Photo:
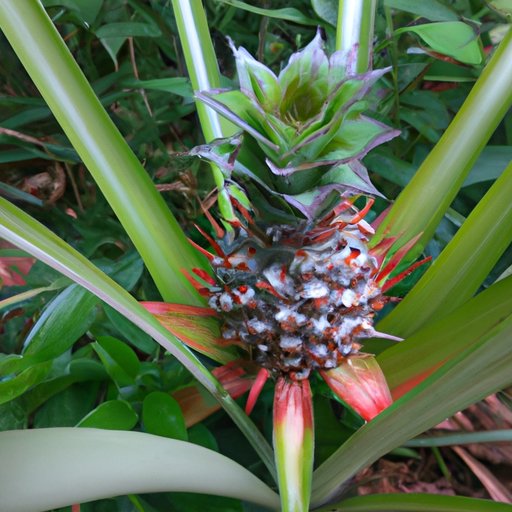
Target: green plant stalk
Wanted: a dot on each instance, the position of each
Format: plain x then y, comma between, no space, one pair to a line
120,176
488,436
422,204
450,389
56,467
25,232
355,27
462,266
204,74
416,502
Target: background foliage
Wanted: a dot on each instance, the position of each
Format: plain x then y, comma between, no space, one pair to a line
86,365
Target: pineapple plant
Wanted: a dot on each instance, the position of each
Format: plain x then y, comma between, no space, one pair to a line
295,282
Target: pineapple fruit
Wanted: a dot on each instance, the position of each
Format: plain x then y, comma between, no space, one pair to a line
296,283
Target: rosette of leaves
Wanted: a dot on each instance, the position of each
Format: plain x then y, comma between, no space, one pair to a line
305,131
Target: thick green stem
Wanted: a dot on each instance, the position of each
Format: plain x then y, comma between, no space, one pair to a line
204,74
424,201
122,179
355,29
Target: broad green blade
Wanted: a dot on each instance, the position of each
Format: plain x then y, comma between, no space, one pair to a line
57,467
25,232
122,179
416,503
409,362
422,204
474,374
463,265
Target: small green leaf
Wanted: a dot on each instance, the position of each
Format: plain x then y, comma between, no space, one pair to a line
64,320
327,10
286,13
12,387
111,415
178,85
162,416
13,416
88,10
120,361
128,29
433,10
453,38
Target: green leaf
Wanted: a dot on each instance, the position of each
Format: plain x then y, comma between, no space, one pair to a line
111,415
416,502
130,332
489,165
286,13
453,38
61,466
28,234
422,204
128,29
10,388
162,416
13,416
88,10
120,361
68,407
433,10
326,10
450,389
176,85
444,338
64,320
463,265
105,153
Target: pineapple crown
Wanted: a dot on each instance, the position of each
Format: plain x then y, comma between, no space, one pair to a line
307,124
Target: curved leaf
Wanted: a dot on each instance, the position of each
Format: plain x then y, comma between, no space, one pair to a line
59,466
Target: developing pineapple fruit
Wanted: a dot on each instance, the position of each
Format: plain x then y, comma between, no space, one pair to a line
300,292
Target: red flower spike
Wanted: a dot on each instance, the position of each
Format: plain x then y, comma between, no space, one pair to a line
209,255
202,290
380,251
396,258
219,232
293,442
360,383
358,217
211,241
389,284
204,276
256,388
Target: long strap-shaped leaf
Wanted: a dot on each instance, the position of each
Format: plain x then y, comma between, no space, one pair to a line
478,372
463,265
407,363
422,204
28,234
416,502
55,467
122,179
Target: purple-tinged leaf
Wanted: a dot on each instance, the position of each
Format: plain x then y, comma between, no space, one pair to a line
240,110
256,79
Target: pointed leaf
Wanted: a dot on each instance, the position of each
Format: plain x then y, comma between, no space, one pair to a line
162,416
60,466
195,326
111,415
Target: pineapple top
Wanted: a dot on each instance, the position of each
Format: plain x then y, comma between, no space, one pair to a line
305,134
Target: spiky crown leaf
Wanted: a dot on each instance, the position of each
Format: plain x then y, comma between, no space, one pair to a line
308,123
